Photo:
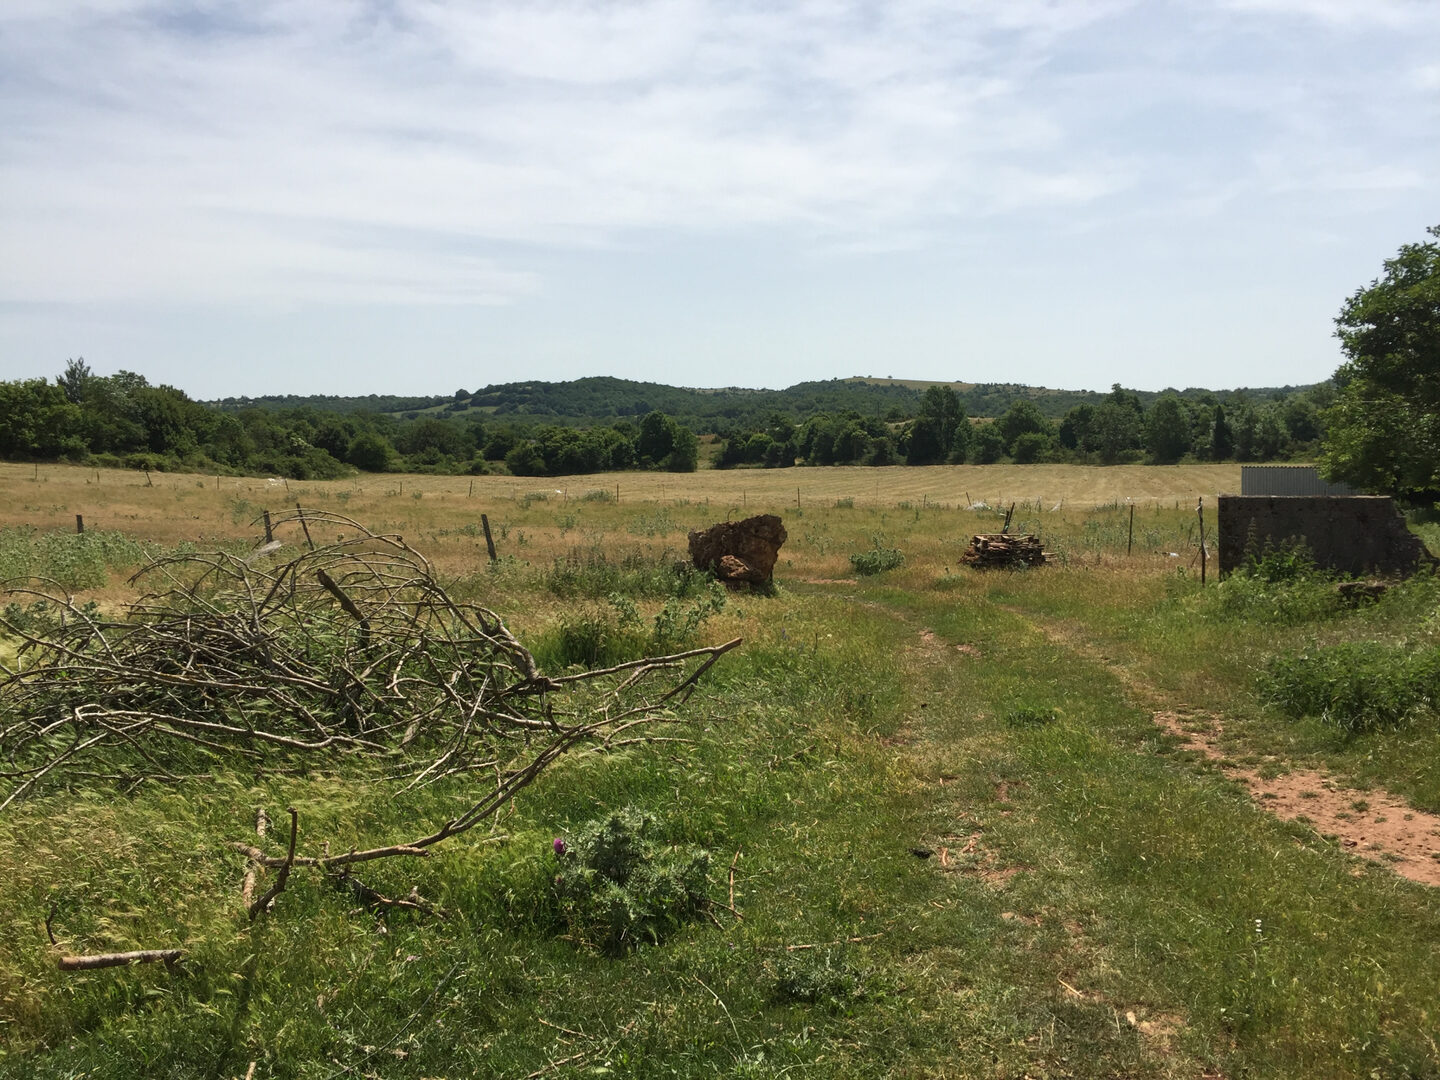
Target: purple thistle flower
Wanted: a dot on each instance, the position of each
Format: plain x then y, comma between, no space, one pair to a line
559,846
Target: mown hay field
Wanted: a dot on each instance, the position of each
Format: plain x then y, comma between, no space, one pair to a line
540,518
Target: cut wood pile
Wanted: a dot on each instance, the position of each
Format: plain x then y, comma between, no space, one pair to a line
989,550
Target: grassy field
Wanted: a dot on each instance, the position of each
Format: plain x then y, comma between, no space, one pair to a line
955,839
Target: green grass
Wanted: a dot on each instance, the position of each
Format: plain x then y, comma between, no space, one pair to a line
947,862
74,560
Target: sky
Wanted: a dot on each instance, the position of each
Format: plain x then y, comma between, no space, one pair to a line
420,196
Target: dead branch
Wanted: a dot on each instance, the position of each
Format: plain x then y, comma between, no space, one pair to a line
247,886
168,957
283,877
377,901
351,648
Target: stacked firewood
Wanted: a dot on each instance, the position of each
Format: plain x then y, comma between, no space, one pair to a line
988,550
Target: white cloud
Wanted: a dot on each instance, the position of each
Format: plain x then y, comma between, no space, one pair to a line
282,150
1391,13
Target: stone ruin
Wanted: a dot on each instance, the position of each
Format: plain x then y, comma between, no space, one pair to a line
1354,534
739,552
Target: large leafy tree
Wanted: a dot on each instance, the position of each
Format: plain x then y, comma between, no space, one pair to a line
1383,431
1167,434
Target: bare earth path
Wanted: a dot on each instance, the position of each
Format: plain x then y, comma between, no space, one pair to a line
1372,824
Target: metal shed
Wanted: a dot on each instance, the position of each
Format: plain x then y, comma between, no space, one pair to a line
1288,480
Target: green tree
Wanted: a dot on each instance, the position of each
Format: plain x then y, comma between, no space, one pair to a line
684,453
1022,418
657,439
370,452
75,380
1114,431
1167,431
933,435
1222,438
988,446
1383,431
1030,447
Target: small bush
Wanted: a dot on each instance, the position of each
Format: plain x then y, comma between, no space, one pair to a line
602,636
1276,585
1282,563
40,617
660,523
590,637
619,886
591,572
877,560
1357,686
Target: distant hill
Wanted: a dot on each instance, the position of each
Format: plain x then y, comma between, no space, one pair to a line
375,403
606,400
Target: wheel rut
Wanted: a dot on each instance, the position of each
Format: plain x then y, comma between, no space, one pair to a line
1372,824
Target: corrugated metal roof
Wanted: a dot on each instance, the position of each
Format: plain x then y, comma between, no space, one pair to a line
1288,480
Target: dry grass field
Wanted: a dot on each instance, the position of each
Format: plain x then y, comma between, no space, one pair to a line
170,508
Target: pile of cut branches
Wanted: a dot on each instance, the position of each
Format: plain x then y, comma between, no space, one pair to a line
352,649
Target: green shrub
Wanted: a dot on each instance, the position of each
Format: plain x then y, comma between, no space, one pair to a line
1279,584
40,617
1281,563
589,637
677,624
619,886
1357,686
597,636
75,560
877,560
591,572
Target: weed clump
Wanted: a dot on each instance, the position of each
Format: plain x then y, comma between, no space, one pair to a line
601,636
619,886
1358,686
819,977
878,559
1277,584
1031,716
590,572
74,560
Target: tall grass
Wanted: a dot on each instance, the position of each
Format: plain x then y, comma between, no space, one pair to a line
76,561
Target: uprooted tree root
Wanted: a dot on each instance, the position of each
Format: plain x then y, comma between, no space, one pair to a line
348,650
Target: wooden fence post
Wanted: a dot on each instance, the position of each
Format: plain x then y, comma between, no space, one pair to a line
79,523
1130,541
269,533
1200,511
301,514
489,540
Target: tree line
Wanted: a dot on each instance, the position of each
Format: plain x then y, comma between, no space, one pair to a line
1119,428
122,421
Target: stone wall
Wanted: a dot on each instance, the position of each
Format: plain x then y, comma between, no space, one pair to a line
1357,534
